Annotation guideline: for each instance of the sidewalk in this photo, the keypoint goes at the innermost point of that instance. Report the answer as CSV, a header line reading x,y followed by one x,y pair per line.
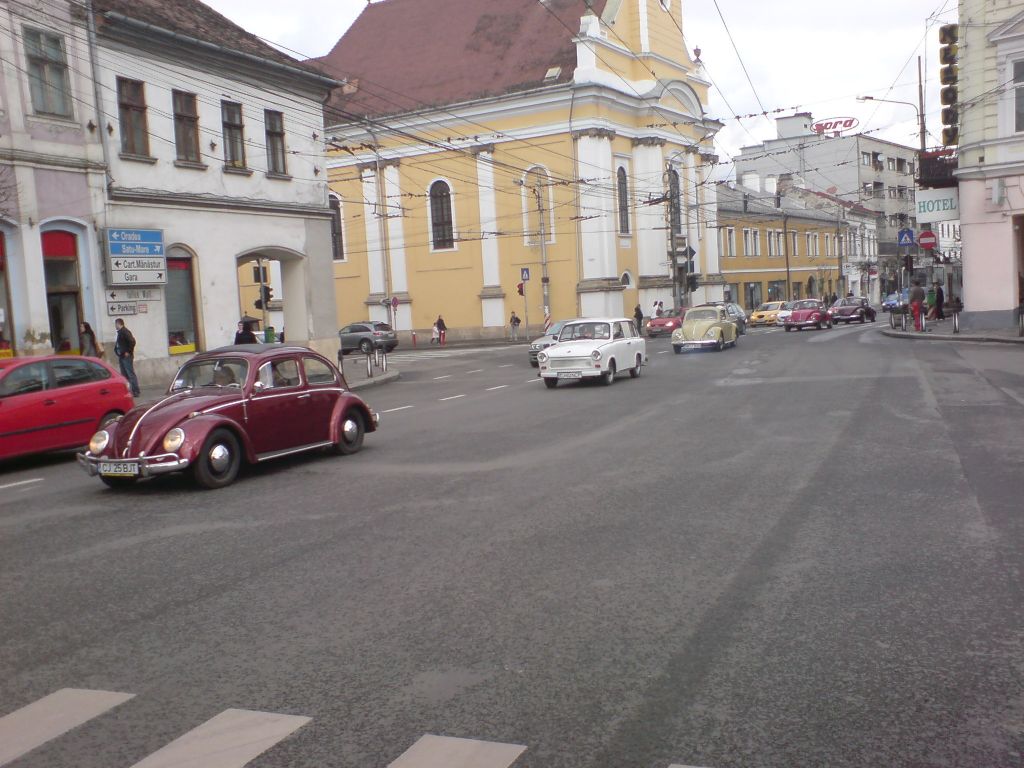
x,y
355,375
943,331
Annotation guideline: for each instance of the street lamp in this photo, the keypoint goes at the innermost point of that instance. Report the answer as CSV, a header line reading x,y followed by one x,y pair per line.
x,y
920,116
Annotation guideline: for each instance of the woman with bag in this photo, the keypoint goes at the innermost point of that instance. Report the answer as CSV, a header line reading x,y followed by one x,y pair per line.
x,y
91,346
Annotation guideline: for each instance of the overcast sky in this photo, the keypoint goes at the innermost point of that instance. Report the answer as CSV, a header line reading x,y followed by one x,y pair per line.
x,y
814,55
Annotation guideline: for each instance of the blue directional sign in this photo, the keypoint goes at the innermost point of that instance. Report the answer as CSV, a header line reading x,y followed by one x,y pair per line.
x,y
136,256
524,274
905,238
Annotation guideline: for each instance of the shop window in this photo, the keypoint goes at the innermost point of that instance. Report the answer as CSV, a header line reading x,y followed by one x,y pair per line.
x,y
179,299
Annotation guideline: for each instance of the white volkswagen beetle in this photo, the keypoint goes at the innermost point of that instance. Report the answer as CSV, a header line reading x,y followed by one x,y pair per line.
x,y
594,347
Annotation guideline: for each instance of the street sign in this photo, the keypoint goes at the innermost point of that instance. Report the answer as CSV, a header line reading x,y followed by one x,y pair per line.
x,y
116,308
927,239
905,238
136,256
136,294
524,274
848,269
394,302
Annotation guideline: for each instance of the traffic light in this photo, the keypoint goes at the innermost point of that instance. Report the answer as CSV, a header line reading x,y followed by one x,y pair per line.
x,y
691,282
908,262
949,36
519,289
267,294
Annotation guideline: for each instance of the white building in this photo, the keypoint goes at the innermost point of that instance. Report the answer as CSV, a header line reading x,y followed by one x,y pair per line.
x,y
991,161
166,122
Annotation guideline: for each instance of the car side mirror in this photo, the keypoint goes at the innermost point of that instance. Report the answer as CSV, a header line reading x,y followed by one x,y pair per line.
x,y
258,386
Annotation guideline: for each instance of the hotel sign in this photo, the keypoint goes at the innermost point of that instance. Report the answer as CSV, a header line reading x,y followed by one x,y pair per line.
x,y
937,204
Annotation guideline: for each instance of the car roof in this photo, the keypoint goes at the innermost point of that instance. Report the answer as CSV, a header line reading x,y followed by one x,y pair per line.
x,y
252,350
13,362
601,320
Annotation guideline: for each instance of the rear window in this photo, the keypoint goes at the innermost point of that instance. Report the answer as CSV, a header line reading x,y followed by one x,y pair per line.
x,y
381,327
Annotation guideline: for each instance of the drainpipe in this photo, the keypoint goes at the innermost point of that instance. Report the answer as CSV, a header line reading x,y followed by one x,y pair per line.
x,y
97,92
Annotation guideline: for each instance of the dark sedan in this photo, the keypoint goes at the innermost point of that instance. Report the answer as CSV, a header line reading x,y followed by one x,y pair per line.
x,y
852,309
245,403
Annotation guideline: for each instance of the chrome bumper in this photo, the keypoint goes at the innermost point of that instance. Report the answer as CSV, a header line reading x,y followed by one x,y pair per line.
x,y
160,464
700,343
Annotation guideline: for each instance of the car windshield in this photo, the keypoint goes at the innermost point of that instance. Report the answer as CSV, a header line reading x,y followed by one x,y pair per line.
x,y
702,314
848,303
585,331
218,372
787,305
806,304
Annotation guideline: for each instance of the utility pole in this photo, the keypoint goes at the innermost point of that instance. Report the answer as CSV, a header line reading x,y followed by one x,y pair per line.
x,y
785,250
544,282
263,302
672,214
920,104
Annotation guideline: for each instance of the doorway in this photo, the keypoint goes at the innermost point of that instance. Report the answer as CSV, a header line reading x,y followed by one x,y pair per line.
x,y
63,300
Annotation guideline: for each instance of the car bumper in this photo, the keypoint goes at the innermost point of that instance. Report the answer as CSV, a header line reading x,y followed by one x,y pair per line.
x,y
805,323
698,344
149,466
571,373
653,332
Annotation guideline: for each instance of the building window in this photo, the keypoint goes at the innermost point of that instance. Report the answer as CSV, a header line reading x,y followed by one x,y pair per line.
x,y
131,104
796,239
275,142
180,305
891,163
234,134
186,126
865,159
729,241
337,230
776,290
623,187
48,80
892,193
675,203
828,245
259,275
442,233
752,295
772,251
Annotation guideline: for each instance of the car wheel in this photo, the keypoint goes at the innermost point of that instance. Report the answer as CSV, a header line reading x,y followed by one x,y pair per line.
x,y
634,372
677,349
608,377
108,419
350,433
365,346
788,328
720,344
817,326
550,383
218,461
118,483
735,341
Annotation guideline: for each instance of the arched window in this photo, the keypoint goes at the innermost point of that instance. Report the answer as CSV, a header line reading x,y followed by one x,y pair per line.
x,y
626,280
623,186
674,202
442,233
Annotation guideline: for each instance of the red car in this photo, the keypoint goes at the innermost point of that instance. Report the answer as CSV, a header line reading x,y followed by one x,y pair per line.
x,y
852,308
668,322
808,313
55,402
249,402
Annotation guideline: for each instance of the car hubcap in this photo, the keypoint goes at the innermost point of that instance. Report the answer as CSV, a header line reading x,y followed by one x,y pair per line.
x,y
220,458
350,430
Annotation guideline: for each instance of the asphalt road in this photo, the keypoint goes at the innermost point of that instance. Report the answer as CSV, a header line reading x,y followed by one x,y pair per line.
x,y
805,551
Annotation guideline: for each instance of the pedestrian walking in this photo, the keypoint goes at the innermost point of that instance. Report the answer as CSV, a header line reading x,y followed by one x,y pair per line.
x,y
513,324
442,330
91,346
917,298
124,348
638,315
244,334
435,335
940,302
930,303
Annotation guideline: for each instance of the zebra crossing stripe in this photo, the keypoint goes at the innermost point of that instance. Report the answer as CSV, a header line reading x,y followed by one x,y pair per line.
x,y
449,752
52,716
229,740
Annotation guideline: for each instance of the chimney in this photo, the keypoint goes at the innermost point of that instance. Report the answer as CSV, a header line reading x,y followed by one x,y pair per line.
x,y
751,180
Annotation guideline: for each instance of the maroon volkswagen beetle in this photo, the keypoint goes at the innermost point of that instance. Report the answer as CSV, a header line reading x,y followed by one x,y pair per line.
x,y
808,313
249,402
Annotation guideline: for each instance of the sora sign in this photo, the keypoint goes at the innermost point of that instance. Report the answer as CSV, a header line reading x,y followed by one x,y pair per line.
x,y
835,125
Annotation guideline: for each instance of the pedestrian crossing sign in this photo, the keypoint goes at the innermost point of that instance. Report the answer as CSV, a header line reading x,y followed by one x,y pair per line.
x,y
905,238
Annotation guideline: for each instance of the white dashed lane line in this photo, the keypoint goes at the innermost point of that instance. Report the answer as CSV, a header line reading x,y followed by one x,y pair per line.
x,y
500,386
477,370
530,381
399,408
21,482
663,352
453,397
446,376
506,365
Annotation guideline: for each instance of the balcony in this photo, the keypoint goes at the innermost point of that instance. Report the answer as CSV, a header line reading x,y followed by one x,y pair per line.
x,y
935,169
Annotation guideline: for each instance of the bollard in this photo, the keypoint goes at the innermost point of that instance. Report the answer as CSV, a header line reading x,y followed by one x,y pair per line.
x,y
414,338
369,366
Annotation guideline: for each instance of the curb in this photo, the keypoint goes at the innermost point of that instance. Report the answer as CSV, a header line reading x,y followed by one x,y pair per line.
x,y
376,381
926,336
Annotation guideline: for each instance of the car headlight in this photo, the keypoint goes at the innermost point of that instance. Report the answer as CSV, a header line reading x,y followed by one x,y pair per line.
x,y
535,346
174,439
711,333
542,357
677,334
595,355
99,442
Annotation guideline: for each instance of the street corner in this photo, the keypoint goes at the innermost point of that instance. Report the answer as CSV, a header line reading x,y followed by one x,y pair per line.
x,y
375,381
991,337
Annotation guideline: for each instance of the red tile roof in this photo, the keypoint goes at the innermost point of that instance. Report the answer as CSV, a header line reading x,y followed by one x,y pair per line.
x,y
410,54
195,19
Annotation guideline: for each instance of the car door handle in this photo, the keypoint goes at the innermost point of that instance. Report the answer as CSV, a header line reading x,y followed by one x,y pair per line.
x,y
303,397
104,391
49,402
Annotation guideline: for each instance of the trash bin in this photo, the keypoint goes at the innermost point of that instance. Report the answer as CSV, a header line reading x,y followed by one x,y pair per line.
x,y
269,335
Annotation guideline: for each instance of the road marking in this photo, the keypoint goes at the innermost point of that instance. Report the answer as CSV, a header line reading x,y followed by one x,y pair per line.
x,y
453,397
500,386
229,740
676,765
399,408
532,380
21,482
477,370
450,752
446,376
663,352
506,365
50,717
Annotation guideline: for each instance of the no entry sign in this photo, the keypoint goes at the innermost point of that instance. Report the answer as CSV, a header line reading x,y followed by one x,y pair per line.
x,y
927,240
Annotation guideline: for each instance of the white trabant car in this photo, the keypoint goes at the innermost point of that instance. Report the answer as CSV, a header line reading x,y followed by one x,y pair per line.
x,y
594,347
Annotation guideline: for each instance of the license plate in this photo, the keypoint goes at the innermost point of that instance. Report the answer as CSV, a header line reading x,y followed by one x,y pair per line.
x,y
691,346
119,468
570,374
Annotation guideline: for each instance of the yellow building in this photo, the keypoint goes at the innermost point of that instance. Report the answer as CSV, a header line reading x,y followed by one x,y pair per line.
x,y
803,239
470,145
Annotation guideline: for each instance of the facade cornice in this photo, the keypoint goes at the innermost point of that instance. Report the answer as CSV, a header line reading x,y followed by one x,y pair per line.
x,y
594,133
162,199
44,160
648,141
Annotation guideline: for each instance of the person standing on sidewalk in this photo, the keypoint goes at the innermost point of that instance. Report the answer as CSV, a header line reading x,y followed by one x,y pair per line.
x,y
940,301
124,348
442,329
513,326
638,316
917,299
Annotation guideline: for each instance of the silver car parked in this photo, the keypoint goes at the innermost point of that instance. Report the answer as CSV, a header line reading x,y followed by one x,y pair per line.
x,y
545,341
366,335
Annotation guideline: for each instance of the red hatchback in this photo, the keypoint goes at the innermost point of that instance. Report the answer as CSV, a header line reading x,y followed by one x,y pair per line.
x,y
244,403
55,402
668,322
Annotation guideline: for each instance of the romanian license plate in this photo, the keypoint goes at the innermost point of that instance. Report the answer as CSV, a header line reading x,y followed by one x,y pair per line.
x,y
570,374
119,468
691,346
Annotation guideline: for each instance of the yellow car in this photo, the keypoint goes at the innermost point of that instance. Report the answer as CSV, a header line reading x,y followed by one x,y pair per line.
x,y
705,327
767,313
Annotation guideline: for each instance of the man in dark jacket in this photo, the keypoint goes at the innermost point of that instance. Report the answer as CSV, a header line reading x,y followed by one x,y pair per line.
x,y
124,348
940,301
917,298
